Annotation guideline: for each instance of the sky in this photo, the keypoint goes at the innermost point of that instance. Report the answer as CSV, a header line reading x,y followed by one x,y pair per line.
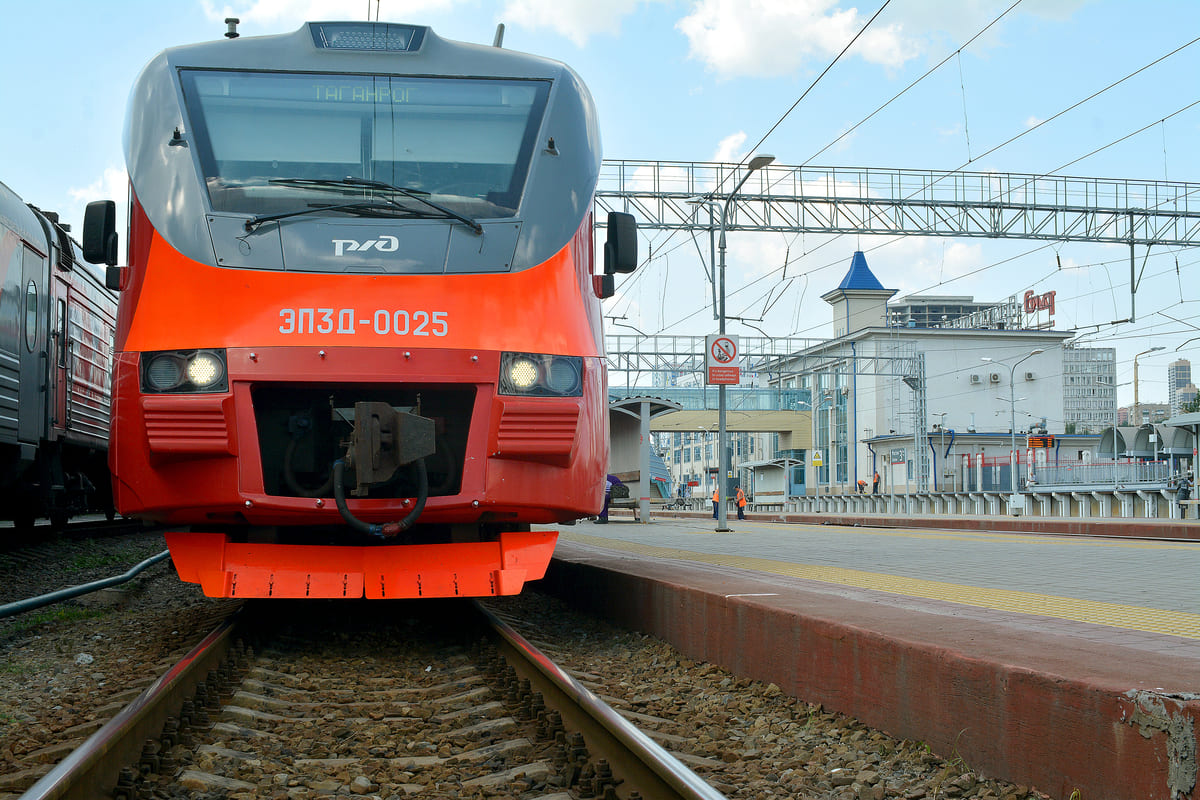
x,y
706,80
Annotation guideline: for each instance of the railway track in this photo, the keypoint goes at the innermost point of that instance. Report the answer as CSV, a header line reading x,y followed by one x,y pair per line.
x,y
298,701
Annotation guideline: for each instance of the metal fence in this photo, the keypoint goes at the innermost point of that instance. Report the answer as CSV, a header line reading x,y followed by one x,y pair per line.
x,y
1102,473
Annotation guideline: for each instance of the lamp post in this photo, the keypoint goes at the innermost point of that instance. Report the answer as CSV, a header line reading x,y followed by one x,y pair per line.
x,y
1012,429
1137,407
756,163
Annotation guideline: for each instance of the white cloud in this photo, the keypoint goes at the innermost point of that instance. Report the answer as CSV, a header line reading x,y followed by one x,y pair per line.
x,y
779,37
730,148
915,264
113,184
577,20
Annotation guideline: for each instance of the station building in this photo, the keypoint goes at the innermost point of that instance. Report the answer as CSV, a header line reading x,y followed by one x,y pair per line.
x,y
916,398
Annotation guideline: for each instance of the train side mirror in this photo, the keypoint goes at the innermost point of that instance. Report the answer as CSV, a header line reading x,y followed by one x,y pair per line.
x,y
605,286
100,232
620,250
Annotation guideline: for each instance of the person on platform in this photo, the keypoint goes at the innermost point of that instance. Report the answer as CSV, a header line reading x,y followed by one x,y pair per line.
x,y
741,502
875,483
612,481
1182,493
862,486
716,500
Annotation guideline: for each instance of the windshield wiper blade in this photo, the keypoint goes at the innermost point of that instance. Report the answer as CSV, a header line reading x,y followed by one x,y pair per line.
x,y
415,194
366,183
361,206
259,219
330,183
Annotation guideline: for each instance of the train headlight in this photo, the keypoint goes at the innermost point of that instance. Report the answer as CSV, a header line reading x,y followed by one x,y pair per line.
x,y
204,370
563,375
184,372
523,374
164,374
537,375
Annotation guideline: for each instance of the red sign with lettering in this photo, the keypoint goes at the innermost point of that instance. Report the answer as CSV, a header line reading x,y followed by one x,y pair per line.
x,y
1039,302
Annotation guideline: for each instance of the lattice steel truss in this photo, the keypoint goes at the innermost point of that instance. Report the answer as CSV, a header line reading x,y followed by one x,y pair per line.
x,y
878,201
871,201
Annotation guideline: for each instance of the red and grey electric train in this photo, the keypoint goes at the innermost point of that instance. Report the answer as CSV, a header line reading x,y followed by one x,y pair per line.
x,y
56,335
359,345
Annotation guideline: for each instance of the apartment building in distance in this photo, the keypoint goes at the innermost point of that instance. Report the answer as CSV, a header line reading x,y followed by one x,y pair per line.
x,y
1180,388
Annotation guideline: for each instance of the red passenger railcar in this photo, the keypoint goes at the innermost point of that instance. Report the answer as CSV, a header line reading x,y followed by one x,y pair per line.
x,y
56,337
359,347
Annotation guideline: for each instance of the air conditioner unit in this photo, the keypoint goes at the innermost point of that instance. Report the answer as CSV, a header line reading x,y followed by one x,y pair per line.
x,y
1029,376
994,377
975,379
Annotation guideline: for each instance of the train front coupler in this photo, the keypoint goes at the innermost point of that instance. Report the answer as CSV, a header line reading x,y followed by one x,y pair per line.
x,y
384,439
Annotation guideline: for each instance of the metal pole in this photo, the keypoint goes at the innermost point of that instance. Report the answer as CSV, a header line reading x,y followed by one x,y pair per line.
x,y
1012,394
1012,429
722,484
1137,406
1116,419
644,463
722,456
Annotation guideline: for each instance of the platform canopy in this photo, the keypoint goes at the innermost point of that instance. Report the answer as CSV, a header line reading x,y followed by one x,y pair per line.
x,y
632,406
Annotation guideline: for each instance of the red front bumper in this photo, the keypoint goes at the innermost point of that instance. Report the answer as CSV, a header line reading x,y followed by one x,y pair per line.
x,y
473,569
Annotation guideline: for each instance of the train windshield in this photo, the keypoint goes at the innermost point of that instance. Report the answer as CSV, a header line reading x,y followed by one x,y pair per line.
x,y
266,141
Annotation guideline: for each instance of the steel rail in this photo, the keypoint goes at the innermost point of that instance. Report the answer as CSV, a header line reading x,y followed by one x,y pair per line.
x,y
91,770
641,762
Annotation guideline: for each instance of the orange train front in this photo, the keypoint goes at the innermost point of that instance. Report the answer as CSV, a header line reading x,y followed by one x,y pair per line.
x,y
359,346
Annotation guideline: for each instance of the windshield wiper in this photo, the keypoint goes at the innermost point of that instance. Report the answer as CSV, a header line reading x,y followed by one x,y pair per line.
x,y
359,205
366,183
331,183
417,195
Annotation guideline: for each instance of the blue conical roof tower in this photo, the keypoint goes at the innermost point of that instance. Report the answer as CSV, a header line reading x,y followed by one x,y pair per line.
x,y
859,301
860,275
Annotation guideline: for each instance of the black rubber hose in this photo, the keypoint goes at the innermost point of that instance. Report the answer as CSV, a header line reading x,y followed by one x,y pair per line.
x,y
289,476
387,529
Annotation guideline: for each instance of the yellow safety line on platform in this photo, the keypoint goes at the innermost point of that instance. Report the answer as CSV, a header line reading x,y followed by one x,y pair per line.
x,y
943,534
1063,540
1114,615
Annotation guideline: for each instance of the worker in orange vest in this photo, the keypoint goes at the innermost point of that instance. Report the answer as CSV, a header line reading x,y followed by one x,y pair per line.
x,y
716,500
741,502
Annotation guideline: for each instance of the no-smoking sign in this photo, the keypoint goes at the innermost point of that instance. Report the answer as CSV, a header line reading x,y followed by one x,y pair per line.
x,y
722,359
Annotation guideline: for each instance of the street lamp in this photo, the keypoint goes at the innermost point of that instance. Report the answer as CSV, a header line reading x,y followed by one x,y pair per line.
x,y
1137,408
756,163
1012,405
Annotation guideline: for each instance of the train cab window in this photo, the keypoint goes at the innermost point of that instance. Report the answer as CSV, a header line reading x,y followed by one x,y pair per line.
x,y
272,142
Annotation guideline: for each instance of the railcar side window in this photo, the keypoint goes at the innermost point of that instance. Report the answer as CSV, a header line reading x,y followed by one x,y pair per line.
x,y
62,332
31,314
467,142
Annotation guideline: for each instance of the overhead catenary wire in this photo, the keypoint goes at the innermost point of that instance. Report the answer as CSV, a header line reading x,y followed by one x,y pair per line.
x,y
796,103
772,300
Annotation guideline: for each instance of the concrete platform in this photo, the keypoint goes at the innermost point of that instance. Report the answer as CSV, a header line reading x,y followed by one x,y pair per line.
x,y
1067,663
1127,527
